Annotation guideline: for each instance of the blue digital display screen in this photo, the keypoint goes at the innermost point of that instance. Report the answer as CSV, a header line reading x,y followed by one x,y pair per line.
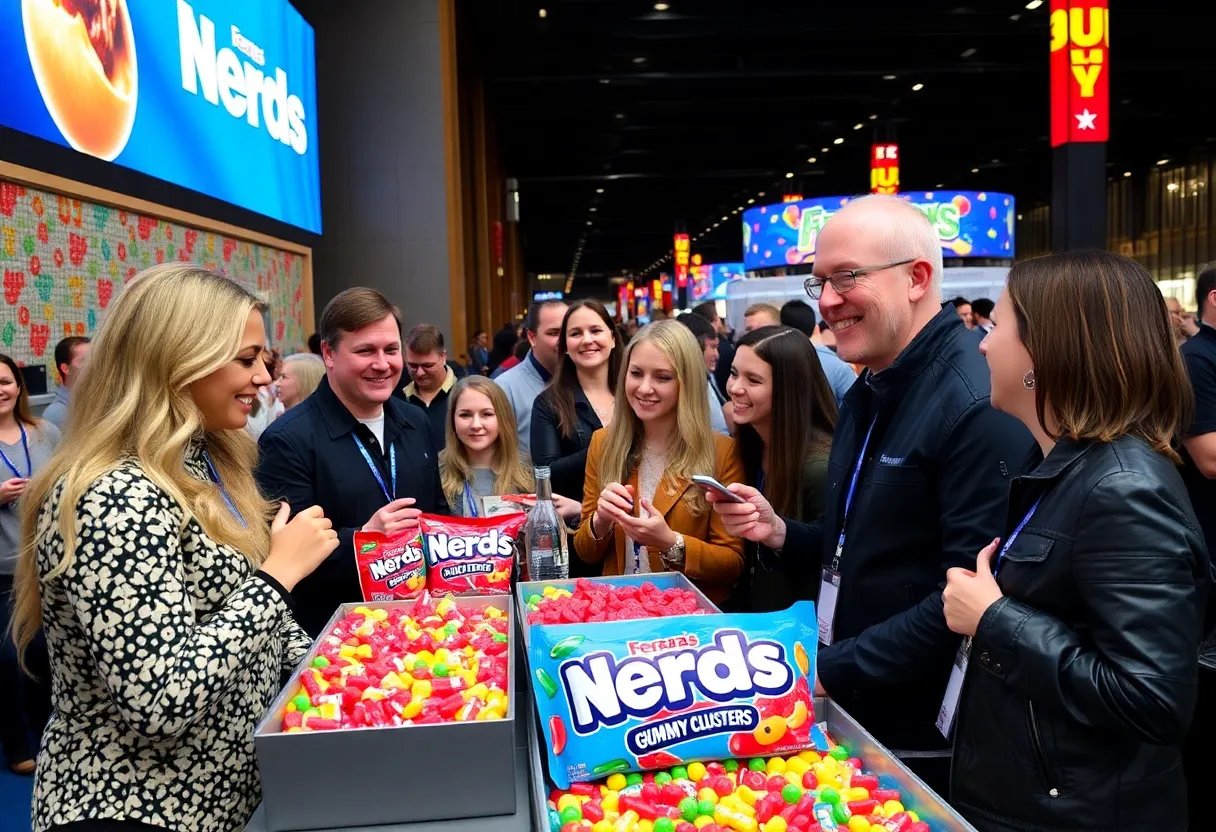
x,y
968,223
709,280
218,96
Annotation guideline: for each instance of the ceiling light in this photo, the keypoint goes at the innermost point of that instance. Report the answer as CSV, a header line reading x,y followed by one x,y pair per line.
x,y
543,13
661,7
967,53
858,126
740,208
939,186
873,116
593,208
812,160
1015,17
588,222
917,87
760,194
1127,173
789,176
838,141
724,219
1019,217
599,190
620,115
605,81
717,224
1034,4
889,77
751,202
975,170
1173,186
639,60
824,149
1163,162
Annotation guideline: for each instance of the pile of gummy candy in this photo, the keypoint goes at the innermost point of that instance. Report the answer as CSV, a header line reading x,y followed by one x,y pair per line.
x,y
593,601
807,792
424,664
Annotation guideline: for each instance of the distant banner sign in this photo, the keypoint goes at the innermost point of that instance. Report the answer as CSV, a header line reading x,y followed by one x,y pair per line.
x,y
968,223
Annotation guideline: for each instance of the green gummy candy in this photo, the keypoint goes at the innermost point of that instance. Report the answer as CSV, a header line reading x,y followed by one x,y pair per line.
x,y
705,807
664,825
662,778
757,764
302,702
501,638
688,809
320,661
829,795
421,665
679,773
440,670
731,765
633,779
546,682
839,753
566,646
534,600
571,814
791,793
841,813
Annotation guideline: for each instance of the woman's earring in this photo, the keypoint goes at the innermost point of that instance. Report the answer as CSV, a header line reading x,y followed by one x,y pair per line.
x,y
1028,380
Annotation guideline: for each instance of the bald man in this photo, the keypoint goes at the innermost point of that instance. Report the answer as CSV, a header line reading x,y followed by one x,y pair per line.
x,y
917,480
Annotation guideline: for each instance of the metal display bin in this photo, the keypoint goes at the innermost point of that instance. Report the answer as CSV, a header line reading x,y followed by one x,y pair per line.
x,y
390,775
891,773
662,580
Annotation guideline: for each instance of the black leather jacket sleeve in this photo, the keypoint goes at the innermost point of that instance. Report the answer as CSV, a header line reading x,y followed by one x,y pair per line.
x,y
546,447
972,495
1134,669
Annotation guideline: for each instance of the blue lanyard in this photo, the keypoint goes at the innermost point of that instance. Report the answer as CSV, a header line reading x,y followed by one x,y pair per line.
x,y
470,503
215,477
637,558
392,467
848,497
1014,536
760,481
29,463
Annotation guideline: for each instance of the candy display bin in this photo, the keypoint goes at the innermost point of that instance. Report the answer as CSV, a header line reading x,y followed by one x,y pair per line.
x,y
891,773
662,580
368,776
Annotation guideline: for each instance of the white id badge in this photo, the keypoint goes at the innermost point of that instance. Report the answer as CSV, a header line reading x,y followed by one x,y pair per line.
x,y
954,688
829,589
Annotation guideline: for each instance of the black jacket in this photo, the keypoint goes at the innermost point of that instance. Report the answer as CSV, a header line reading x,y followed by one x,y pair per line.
x,y
566,456
308,457
1082,679
931,494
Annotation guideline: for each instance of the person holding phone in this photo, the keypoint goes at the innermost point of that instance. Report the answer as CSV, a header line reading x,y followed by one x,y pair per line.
x,y
149,560
642,512
481,457
785,414
26,444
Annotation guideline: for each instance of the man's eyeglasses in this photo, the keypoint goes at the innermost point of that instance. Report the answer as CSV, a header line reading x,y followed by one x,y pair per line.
x,y
845,279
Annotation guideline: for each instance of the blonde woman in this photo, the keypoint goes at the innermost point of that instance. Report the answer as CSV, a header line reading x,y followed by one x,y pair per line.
x,y
481,457
300,376
641,511
150,562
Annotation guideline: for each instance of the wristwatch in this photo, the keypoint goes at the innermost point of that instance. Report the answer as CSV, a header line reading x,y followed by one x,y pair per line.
x,y
674,557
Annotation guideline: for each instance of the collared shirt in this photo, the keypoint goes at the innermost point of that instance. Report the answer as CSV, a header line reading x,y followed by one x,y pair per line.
x,y
839,374
437,410
57,411
523,383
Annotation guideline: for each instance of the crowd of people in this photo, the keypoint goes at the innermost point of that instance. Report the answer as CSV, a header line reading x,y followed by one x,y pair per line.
x,y
999,509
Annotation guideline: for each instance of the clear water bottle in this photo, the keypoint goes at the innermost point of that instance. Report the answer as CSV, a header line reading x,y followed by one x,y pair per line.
x,y
545,534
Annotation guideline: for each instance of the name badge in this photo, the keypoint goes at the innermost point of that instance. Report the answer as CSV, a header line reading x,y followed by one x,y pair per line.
x,y
829,590
954,688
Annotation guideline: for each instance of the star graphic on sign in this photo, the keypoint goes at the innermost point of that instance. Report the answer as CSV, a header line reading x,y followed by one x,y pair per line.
x,y
1085,120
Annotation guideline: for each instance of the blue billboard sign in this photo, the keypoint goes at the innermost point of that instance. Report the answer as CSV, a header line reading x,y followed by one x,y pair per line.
x,y
968,223
218,96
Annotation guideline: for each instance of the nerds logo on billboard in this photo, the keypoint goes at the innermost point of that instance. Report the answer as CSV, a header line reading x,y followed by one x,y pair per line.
x,y
214,95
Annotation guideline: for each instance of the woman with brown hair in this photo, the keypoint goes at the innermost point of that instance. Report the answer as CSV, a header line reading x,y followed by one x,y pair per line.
x,y
785,414
26,444
1082,622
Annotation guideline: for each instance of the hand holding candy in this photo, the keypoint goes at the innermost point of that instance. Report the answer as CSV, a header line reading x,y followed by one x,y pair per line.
x,y
752,520
396,517
968,595
298,547
615,501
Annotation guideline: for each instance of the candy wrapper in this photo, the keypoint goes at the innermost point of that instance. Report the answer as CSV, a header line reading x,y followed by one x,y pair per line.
x,y
390,567
655,693
470,555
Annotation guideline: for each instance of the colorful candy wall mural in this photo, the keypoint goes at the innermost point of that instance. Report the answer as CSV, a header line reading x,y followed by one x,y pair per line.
x,y
64,261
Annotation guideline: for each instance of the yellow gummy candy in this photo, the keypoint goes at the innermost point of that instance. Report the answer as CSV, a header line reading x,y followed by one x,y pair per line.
x,y
412,709
361,611
421,689
364,651
380,615
616,782
566,801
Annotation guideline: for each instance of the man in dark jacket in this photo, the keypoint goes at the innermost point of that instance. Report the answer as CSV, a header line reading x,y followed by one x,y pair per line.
x,y
366,458
917,479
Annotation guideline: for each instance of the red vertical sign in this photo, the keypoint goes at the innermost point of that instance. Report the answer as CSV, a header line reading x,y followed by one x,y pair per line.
x,y
681,250
1080,71
884,168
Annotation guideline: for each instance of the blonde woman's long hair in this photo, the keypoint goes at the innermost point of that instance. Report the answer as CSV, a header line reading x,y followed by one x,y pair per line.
x,y
133,403
691,450
511,472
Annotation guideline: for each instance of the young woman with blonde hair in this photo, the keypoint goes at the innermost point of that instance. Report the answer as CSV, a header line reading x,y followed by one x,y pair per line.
x,y
300,376
150,562
481,457
641,510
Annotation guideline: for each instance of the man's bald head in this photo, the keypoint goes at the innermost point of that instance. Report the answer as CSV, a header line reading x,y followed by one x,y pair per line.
x,y
899,230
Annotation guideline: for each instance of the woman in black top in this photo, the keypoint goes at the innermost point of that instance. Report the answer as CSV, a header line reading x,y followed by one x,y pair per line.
x,y
784,414
1082,627
579,399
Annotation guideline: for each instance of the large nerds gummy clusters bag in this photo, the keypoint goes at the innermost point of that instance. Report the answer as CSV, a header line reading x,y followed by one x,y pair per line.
x,y
654,693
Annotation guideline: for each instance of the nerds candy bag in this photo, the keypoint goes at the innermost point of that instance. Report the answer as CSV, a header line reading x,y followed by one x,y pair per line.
x,y
471,556
655,693
390,566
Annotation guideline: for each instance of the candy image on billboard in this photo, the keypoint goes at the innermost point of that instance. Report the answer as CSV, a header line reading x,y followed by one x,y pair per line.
x,y
709,281
968,223
218,96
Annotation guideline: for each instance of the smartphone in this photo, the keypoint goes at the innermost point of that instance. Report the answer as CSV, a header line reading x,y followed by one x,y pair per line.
x,y
711,484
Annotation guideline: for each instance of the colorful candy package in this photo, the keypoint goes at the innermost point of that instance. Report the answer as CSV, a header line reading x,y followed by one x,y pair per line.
x,y
471,555
655,693
390,567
